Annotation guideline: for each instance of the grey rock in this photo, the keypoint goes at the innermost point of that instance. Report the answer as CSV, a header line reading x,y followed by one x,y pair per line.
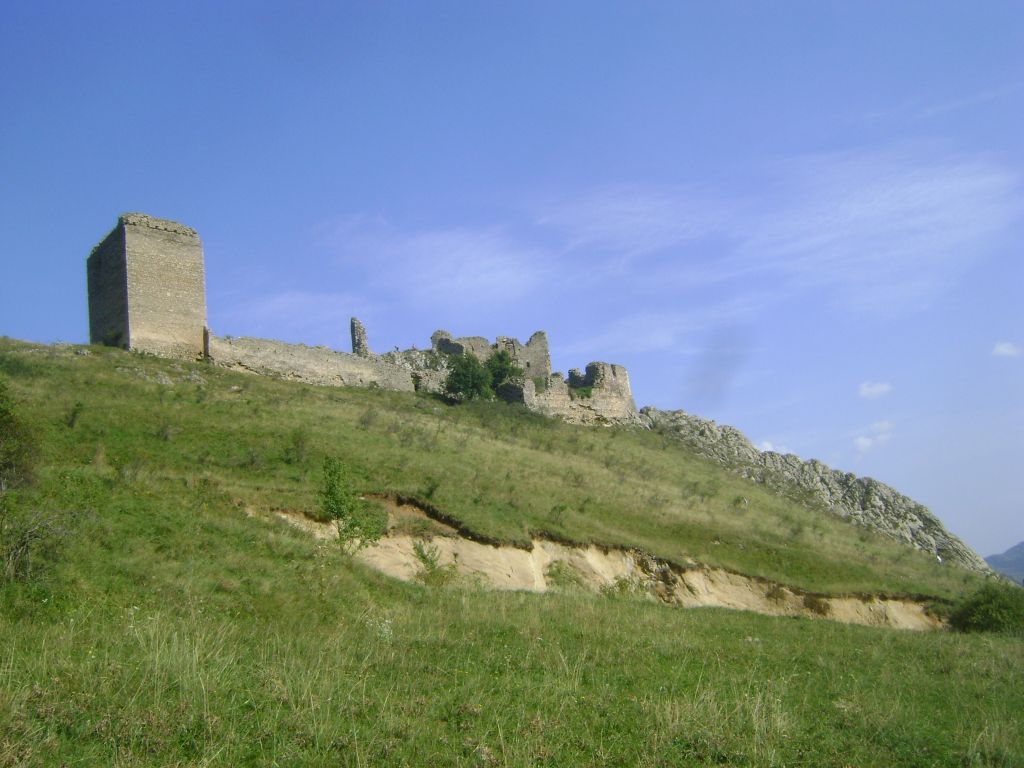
x,y
862,500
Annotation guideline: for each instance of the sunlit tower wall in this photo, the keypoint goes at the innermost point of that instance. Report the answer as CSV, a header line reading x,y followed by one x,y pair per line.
x,y
147,290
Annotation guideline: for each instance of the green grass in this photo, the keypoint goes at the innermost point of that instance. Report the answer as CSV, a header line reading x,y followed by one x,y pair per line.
x,y
173,628
504,473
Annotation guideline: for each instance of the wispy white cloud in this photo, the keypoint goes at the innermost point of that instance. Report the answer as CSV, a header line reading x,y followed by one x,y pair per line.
x,y
631,220
768,445
873,389
881,231
1006,349
919,109
983,96
674,329
878,433
437,266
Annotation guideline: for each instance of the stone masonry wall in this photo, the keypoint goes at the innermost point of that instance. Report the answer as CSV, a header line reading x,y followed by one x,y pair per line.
x,y
533,357
166,287
108,291
313,365
609,400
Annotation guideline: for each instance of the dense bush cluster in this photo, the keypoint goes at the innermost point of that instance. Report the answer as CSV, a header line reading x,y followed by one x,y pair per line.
x,y
993,608
469,379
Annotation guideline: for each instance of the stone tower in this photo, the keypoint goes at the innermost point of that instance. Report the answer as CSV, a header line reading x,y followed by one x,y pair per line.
x,y
147,291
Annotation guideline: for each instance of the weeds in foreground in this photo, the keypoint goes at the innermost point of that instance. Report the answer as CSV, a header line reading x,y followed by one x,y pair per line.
x,y
431,572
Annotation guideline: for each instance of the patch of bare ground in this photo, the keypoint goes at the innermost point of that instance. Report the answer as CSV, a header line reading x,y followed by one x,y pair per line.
x,y
550,565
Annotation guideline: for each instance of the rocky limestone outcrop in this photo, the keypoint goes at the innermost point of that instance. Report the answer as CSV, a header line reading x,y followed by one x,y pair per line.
x,y
862,500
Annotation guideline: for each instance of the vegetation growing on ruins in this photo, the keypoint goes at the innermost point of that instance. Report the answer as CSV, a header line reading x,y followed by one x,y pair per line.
x,y
183,624
469,379
502,368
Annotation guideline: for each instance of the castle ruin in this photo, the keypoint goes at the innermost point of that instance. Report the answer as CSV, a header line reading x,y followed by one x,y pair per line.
x,y
146,288
147,293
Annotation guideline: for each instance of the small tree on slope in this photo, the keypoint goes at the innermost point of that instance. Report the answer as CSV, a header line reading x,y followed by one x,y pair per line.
x,y
356,524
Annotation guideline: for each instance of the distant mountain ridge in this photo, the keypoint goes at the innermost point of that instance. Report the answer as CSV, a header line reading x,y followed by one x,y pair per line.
x,y
1009,563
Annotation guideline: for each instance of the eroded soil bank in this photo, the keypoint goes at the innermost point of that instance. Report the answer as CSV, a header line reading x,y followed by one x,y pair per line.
x,y
552,565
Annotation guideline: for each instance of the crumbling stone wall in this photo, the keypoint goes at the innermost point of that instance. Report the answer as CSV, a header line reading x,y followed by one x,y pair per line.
x,y
478,346
313,365
147,288
533,357
360,341
602,395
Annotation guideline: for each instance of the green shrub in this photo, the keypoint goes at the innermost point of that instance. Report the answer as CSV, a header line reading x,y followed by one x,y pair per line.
x,y
468,379
431,572
358,524
19,447
501,368
817,604
297,449
580,393
563,575
993,608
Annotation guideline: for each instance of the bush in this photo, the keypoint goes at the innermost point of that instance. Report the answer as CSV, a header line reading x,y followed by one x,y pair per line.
x,y
18,445
468,379
297,449
357,524
28,536
501,368
993,608
431,572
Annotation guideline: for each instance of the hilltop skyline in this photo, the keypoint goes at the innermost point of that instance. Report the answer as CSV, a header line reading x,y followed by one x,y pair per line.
x,y
803,223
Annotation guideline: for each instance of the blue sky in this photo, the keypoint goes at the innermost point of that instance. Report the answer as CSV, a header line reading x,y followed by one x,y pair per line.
x,y
804,219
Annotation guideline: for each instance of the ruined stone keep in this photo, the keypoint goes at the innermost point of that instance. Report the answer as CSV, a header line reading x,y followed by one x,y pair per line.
x,y
147,290
147,293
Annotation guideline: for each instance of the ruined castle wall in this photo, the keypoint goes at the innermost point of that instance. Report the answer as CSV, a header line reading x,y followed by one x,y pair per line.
x,y
313,365
108,291
477,346
428,367
610,400
533,357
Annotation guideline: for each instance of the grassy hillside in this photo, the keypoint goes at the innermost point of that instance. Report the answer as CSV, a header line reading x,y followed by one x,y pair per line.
x,y
172,628
504,473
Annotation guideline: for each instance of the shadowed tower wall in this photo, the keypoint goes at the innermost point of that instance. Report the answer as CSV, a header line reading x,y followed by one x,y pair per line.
x,y
147,290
